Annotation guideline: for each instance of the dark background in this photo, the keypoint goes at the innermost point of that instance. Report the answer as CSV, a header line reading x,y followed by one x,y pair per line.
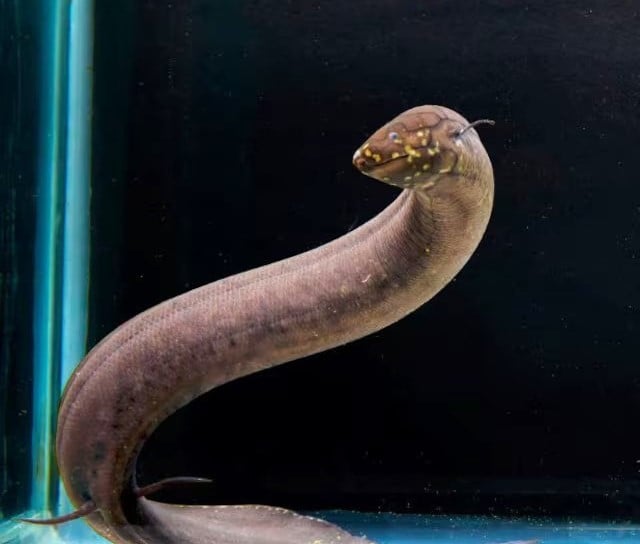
x,y
223,138
20,44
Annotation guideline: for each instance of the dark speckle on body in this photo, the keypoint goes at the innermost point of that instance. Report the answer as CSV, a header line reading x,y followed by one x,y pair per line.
x,y
99,449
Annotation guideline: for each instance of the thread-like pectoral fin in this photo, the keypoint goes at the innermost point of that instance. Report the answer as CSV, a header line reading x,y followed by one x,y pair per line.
x,y
89,507
86,509
168,483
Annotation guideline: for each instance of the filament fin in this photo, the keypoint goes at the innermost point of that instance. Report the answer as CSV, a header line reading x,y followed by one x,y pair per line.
x,y
86,509
89,507
169,482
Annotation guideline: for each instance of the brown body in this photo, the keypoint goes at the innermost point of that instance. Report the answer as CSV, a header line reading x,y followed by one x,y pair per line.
x,y
161,359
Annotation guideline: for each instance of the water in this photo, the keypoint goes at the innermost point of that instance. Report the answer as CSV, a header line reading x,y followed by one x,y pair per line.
x,y
146,148
412,529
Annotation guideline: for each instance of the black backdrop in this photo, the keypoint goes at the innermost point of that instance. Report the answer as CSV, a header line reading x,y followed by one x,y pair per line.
x,y
223,137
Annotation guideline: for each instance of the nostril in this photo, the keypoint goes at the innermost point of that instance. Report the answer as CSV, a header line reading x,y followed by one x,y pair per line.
x,y
359,162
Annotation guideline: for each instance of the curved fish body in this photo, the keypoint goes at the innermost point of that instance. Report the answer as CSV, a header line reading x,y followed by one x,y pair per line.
x,y
161,359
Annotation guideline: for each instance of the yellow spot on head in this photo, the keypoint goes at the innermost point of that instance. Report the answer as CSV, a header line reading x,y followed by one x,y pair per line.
x,y
377,157
367,152
395,155
426,166
420,133
423,142
411,151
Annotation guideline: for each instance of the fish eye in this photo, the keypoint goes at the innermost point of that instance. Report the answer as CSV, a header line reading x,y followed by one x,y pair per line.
x,y
393,136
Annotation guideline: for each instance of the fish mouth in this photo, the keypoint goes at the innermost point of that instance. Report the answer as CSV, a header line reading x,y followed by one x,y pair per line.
x,y
367,164
384,171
